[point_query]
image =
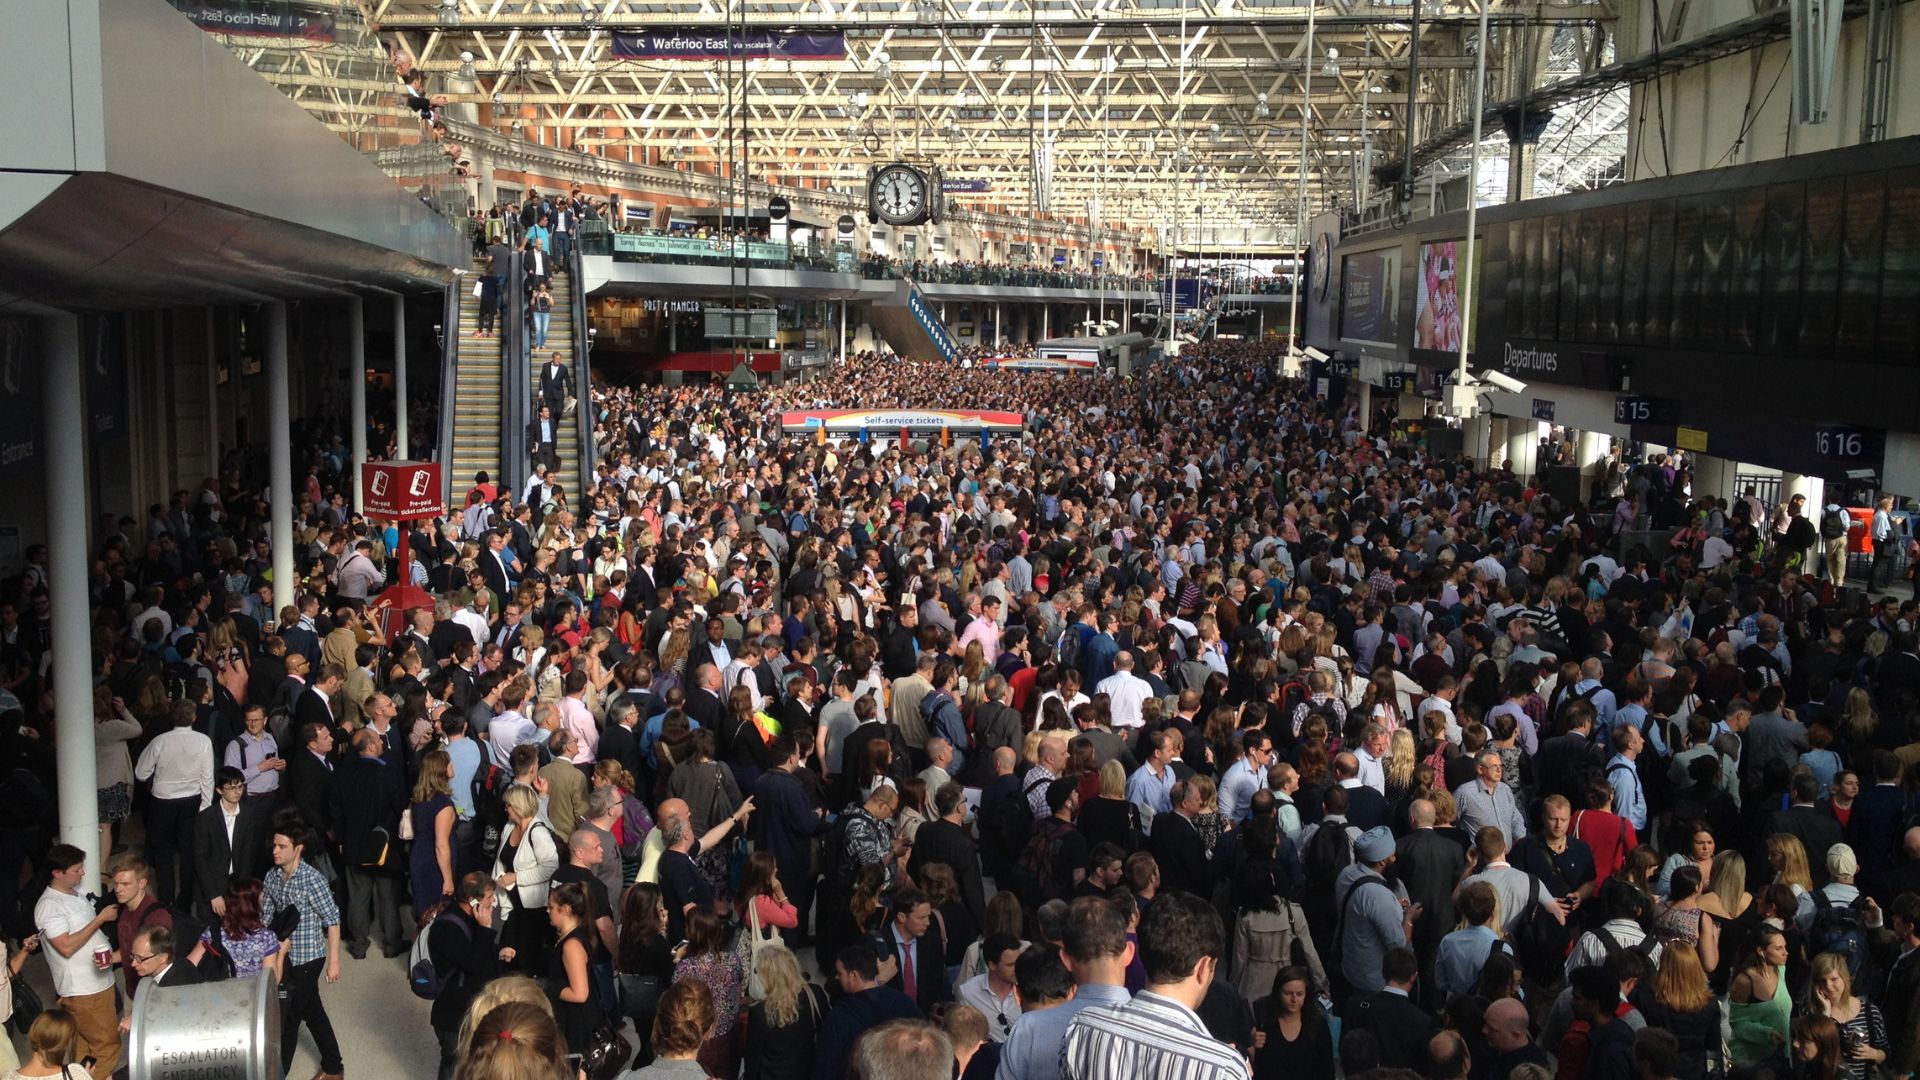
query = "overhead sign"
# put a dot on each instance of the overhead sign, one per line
(259, 18)
(691, 44)
(1848, 443)
(1543, 409)
(965, 186)
(851, 420)
(1040, 363)
(400, 490)
(1640, 409)
(689, 247)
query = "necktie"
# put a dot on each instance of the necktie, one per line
(906, 970)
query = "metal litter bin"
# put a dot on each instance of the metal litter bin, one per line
(226, 1030)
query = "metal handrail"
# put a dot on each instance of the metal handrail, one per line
(582, 375)
(449, 389)
(516, 377)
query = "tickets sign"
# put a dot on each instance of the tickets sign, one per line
(400, 490)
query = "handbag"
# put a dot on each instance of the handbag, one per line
(640, 994)
(756, 987)
(284, 922)
(607, 1054)
(406, 825)
(476, 288)
(379, 848)
(27, 1007)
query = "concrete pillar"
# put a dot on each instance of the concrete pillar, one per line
(1712, 476)
(357, 393)
(1046, 321)
(400, 374)
(1478, 442)
(843, 330)
(280, 456)
(1496, 440)
(1366, 404)
(999, 327)
(1591, 453)
(67, 568)
(1522, 447)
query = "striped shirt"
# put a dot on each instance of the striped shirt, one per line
(1149, 1038)
(306, 890)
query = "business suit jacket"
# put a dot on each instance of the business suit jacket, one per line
(1176, 845)
(180, 973)
(1401, 1027)
(941, 841)
(495, 569)
(1901, 1004)
(367, 794)
(312, 707)
(556, 381)
(619, 743)
(1366, 807)
(301, 640)
(705, 708)
(1874, 831)
(1816, 831)
(307, 786)
(1430, 866)
(351, 702)
(929, 969)
(247, 856)
(566, 796)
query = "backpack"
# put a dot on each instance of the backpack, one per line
(1560, 711)
(836, 872)
(1644, 946)
(1328, 853)
(216, 962)
(1324, 710)
(423, 978)
(1034, 878)
(1540, 941)
(1839, 929)
(490, 784)
(1834, 526)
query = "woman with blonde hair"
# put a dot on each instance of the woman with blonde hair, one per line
(523, 871)
(1788, 857)
(517, 1039)
(782, 1026)
(1680, 1001)
(430, 821)
(505, 990)
(51, 1043)
(1863, 1032)
(1727, 896)
(1858, 722)
(683, 1025)
(1401, 759)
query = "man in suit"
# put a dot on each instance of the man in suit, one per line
(704, 705)
(1874, 827)
(357, 687)
(947, 840)
(1177, 847)
(715, 650)
(785, 821)
(152, 958)
(1901, 1001)
(494, 565)
(1816, 829)
(229, 839)
(316, 704)
(543, 437)
(621, 740)
(920, 970)
(308, 782)
(1430, 866)
(297, 629)
(556, 385)
(367, 799)
(566, 784)
(1401, 1027)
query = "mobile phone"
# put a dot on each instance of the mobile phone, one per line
(573, 1062)
(88, 1062)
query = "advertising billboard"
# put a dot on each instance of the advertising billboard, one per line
(1370, 296)
(1443, 280)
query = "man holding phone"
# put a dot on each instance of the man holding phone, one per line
(257, 756)
(80, 958)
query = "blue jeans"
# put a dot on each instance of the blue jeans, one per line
(540, 320)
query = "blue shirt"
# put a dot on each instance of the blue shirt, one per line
(650, 734)
(1629, 801)
(1636, 716)
(1237, 789)
(466, 762)
(306, 890)
(1032, 1049)
(1153, 792)
(1604, 706)
(1461, 955)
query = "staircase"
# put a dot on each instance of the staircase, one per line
(476, 398)
(560, 339)
(911, 325)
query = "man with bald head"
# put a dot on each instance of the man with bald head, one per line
(1592, 671)
(1509, 1041)
(1126, 693)
(1429, 865)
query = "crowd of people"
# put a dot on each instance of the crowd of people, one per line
(982, 272)
(1203, 730)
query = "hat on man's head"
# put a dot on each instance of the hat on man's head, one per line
(1375, 845)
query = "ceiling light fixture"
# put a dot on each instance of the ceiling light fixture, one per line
(1261, 110)
(466, 66)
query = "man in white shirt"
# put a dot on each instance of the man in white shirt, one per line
(1126, 692)
(257, 756)
(992, 992)
(741, 673)
(356, 576)
(473, 619)
(79, 956)
(1372, 758)
(180, 765)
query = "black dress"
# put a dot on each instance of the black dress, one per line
(786, 1051)
(576, 1020)
(1309, 1055)
(1110, 821)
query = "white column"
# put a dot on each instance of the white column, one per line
(67, 568)
(280, 456)
(1712, 476)
(400, 374)
(357, 393)
(843, 330)
(1366, 404)
(1046, 321)
(1478, 438)
(999, 327)
(213, 393)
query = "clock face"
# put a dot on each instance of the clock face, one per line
(1320, 271)
(900, 194)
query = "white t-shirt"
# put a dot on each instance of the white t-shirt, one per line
(58, 914)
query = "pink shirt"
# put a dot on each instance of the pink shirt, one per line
(575, 718)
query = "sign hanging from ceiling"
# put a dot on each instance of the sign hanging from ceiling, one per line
(689, 44)
(960, 186)
(259, 18)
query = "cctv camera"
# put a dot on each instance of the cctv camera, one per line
(1316, 355)
(1500, 380)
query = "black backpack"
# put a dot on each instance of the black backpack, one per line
(1834, 526)
(1328, 853)
(1644, 946)
(1009, 820)
(1324, 710)
(1840, 928)
(1560, 711)
(490, 784)
(1035, 880)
